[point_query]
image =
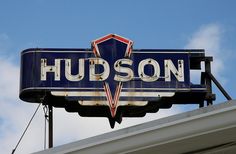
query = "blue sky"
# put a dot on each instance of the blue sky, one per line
(74, 24)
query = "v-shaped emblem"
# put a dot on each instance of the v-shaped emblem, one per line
(112, 43)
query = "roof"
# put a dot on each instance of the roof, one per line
(207, 130)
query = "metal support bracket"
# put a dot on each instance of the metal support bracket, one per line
(206, 78)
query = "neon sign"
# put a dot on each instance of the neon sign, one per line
(111, 74)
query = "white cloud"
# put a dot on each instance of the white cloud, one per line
(4, 44)
(14, 113)
(209, 37)
(9, 79)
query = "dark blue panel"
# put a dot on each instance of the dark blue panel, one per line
(30, 71)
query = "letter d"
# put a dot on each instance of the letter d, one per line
(92, 65)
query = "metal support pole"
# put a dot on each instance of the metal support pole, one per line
(220, 87)
(208, 81)
(201, 105)
(50, 127)
(203, 82)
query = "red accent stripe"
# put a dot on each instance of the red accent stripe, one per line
(103, 39)
(112, 36)
(121, 39)
(108, 94)
(95, 50)
(113, 103)
(130, 48)
(117, 94)
(110, 100)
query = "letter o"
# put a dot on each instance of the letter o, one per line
(146, 77)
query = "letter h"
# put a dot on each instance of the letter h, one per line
(55, 69)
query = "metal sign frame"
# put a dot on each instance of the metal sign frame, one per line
(142, 80)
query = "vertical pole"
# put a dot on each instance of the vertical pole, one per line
(50, 127)
(203, 82)
(201, 105)
(208, 82)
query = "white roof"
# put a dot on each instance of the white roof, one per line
(210, 129)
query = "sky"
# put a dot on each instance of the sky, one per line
(153, 24)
